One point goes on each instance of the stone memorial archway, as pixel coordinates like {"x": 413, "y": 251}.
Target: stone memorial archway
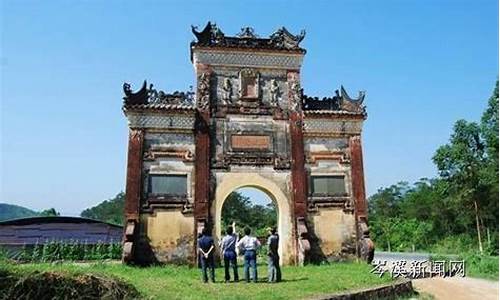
{"x": 248, "y": 123}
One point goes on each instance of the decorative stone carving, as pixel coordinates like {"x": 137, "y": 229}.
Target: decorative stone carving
{"x": 140, "y": 97}
{"x": 295, "y": 94}
{"x": 352, "y": 105}
{"x": 211, "y": 34}
{"x": 184, "y": 155}
{"x": 151, "y": 97}
{"x": 246, "y": 59}
{"x": 203, "y": 96}
{"x": 174, "y": 121}
{"x": 274, "y": 93}
{"x": 329, "y": 127}
{"x": 314, "y": 204}
{"x": 284, "y": 39}
{"x": 341, "y": 156}
{"x": 282, "y": 162}
{"x": 247, "y": 33}
{"x": 249, "y": 84}
{"x": 251, "y": 158}
{"x": 160, "y": 140}
{"x": 340, "y": 102}
{"x": 227, "y": 92}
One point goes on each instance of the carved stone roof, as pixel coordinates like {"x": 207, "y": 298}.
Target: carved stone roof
{"x": 341, "y": 103}
{"x": 150, "y": 98}
{"x": 282, "y": 39}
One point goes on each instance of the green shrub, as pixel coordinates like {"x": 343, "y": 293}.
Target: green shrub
{"x": 481, "y": 265}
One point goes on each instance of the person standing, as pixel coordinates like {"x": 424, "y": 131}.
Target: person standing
{"x": 249, "y": 245}
{"x": 273, "y": 259}
{"x": 206, "y": 255}
{"x": 228, "y": 248}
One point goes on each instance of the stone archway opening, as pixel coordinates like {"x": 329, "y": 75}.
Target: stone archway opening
{"x": 255, "y": 182}
{"x": 249, "y": 207}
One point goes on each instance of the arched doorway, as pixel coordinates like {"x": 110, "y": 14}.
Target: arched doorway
{"x": 232, "y": 182}
{"x": 249, "y": 207}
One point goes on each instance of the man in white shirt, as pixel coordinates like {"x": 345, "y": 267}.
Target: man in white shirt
{"x": 249, "y": 245}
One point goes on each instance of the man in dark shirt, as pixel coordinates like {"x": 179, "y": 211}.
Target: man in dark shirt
{"x": 273, "y": 262}
{"x": 206, "y": 255}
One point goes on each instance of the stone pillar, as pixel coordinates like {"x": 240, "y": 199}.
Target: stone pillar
{"x": 202, "y": 167}
{"x": 358, "y": 177}
{"x": 299, "y": 178}
{"x": 132, "y": 192}
{"x": 202, "y": 152}
{"x": 365, "y": 248}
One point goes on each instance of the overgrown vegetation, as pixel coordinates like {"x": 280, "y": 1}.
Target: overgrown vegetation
{"x": 55, "y": 251}
{"x": 457, "y": 212}
{"x": 239, "y": 209}
{"x": 17, "y": 283}
{"x": 181, "y": 282}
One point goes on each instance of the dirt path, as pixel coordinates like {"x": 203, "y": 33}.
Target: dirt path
{"x": 458, "y": 288}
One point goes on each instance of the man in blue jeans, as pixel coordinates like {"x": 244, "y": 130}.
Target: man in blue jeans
{"x": 228, "y": 248}
{"x": 206, "y": 255}
{"x": 249, "y": 246}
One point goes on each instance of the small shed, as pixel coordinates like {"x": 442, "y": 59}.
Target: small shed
{"x": 16, "y": 233}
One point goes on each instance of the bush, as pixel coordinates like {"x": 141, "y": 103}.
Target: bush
{"x": 456, "y": 244}
{"x": 481, "y": 265}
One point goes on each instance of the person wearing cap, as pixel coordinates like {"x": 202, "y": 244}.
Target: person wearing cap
{"x": 228, "y": 248}
{"x": 273, "y": 259}
{"x": 248, "y": 245}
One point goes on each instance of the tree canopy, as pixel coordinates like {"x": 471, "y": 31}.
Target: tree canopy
{"x": 51, "y": 212}
{"x": 239, "y": 209}
{"x": 460, "y": 204}
{"x": 110, "y": 210}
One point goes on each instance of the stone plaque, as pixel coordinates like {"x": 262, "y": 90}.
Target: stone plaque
{"x": 250, "y": 142}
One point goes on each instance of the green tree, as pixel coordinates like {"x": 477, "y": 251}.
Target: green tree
{"x": 451, "y": 211}
{"x": 461, "y": 163}
{"x": 51, "y": 212}
{"x": 239, "y": 209}
{"x": 110, "y": 210}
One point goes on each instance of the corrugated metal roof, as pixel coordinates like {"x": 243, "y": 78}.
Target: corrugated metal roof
{"x": 29, "y": 231}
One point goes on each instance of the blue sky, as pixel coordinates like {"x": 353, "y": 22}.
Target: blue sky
{"x": 424, "y": 65}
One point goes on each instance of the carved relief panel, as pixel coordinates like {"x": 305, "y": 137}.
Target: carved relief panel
{"x": 242, "y": 141}
{"x": 251, "y": 87}
{"x": 249, "y": 84}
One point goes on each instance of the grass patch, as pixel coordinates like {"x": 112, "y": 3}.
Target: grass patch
{"x": 476, "y": 265}
{"x": 171, "y": 282}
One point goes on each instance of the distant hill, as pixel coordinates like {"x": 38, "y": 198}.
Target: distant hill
{"x": 11, "y": 211}
{"x": 110, "y": 210}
